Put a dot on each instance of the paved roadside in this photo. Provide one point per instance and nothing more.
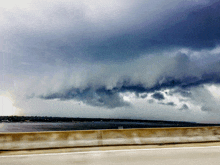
(105, 148)
(199, 154)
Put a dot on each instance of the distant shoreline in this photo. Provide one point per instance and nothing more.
(11, 119)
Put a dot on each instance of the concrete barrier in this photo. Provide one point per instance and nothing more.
(36, 140)
(160, 135)
(62, 139)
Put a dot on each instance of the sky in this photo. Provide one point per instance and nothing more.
(153, 60)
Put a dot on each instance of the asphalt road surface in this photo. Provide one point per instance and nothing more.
(152, 156)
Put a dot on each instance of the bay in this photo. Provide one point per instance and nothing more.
(67, 126)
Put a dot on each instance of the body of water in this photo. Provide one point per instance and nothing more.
(67, 126)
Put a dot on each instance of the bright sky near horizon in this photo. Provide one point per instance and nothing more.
(116, 58)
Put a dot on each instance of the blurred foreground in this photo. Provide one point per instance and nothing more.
(190, 154)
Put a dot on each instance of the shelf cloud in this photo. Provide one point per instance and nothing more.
(121, 59)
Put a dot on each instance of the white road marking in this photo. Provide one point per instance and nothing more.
(125, 150)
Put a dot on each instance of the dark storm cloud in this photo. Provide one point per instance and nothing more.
(70, 34)
(100, 97)
(111, 47)
(185, 83)
(198, 29)
(158, 96)
(143, 96)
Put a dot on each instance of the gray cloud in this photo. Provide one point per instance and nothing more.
(158, 96)
(183, 92)
(101, 97)
(169, 103)
(144, 75)
(143, 96)
(151, 101)
(184, 107)
(94, 51)
(112, 32)
(205, 108)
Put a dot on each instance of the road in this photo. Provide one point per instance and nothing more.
(141, 156)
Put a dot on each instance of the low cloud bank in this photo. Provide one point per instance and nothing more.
(101, 84)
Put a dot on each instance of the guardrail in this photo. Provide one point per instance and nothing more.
(62, 139)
